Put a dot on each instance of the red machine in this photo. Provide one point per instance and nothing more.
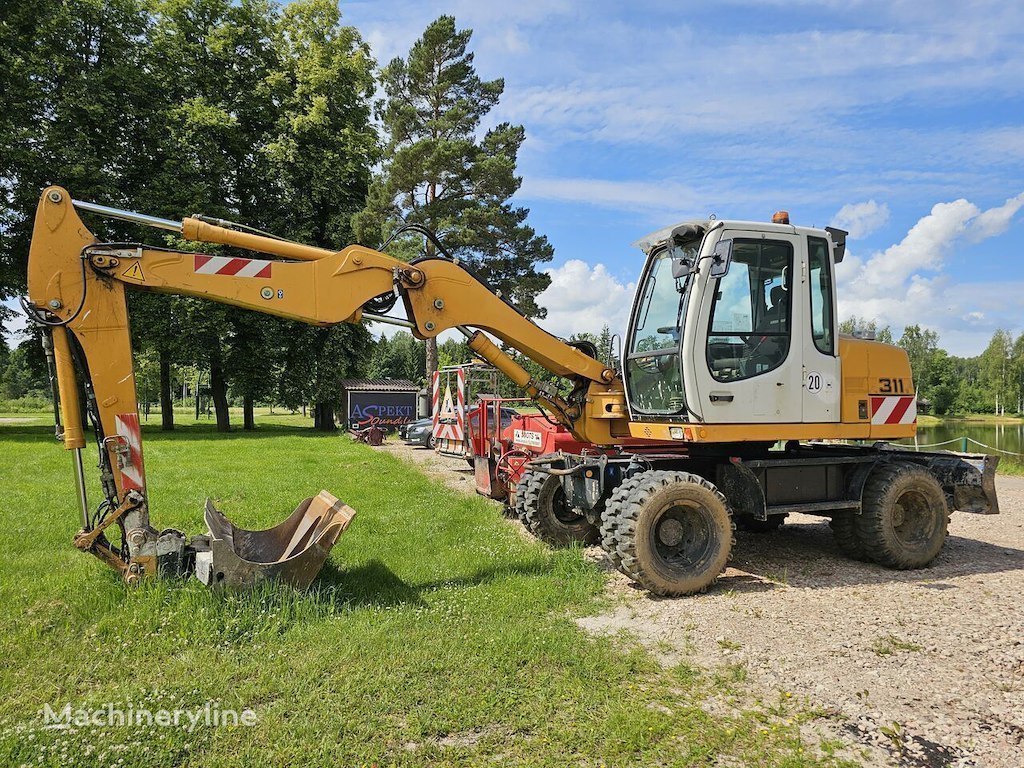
(472, 422)
(501, 441)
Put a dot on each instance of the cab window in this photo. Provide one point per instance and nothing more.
(653, 368)
(822, 327)
(749, 330)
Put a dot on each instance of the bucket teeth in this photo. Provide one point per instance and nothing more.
(292, 552)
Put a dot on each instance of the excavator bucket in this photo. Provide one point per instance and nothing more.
(292, 552)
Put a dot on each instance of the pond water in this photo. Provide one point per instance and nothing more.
(1006, 437)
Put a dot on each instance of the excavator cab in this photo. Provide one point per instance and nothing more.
(733, 322)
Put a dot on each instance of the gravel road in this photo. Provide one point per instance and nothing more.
(916, 668)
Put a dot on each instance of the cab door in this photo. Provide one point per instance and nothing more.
(745, 352)
(820, 347)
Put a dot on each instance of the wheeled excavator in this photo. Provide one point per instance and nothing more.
(736, 399)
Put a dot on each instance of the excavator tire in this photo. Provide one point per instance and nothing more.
(844, 531)
(610, 519)
(673, 532)
(904, 516)
(753, 525)
(546, 514)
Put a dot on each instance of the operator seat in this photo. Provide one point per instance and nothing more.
(775, 317)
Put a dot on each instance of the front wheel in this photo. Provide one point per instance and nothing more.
(546, 512)
(673, 533)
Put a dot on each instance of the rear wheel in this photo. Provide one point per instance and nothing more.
(546, 512)
(904, 517)
(673, 532)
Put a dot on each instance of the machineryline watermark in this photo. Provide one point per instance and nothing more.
(111, 715)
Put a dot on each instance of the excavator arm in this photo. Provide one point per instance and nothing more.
(77, 290)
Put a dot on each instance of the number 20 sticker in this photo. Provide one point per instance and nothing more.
(814, 381)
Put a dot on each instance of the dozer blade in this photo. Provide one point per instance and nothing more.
(292, 552)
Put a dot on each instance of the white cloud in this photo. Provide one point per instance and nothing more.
(666, 197)
(861, 219)
(904, 284)
(995, 221)
(923, 248)
(583, 298)
(16, 326)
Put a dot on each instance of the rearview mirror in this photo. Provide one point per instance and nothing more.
(681, 265)
(720, 258)
(684, 256)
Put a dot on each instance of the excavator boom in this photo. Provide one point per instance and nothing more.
(77, 286)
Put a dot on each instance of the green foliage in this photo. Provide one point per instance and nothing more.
(241, 110)
(453, 352)
(25, 374)
(997, 368)
(323, 143)
(74, 94)
(400, 357)
(315, 360)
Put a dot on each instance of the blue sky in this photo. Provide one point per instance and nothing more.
(901, 121)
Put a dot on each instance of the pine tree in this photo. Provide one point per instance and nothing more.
(440, 173)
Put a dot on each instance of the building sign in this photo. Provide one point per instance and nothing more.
(387, 410)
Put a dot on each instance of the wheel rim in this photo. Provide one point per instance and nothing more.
(684, 536)
(912, 518)
(562, 511)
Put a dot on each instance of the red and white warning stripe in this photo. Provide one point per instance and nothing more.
(226, 265)
(461, 406)
(133, 473)
(435, 408)
(893, 409)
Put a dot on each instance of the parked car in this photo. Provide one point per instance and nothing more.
(418, 432)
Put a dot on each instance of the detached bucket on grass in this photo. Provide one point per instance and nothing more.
(292, 552)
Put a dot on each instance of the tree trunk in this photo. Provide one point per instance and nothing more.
(431, 358)
(323, 417)
(219, 393)
(248, 415)
(166, 401)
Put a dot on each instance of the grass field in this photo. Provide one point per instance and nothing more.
(436, 635)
